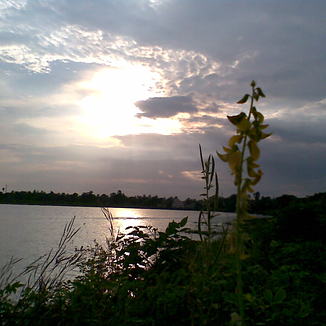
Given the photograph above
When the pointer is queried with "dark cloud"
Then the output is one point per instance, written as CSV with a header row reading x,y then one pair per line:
x,y
293,168
208,120
307,132
165,107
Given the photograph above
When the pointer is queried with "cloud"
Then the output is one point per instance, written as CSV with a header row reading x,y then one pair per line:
x,y
205,52
165,107
304,124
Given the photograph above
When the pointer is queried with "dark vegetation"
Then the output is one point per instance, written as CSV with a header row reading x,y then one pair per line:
x,y
115,199
257,271
257,203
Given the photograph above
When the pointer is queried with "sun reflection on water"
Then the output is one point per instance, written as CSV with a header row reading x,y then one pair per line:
x,y
128,217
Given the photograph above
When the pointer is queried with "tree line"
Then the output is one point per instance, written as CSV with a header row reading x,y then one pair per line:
x,y
257,203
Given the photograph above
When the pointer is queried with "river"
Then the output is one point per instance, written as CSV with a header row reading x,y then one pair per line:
x,y
29,231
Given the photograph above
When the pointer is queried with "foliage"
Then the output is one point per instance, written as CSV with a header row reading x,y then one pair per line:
x,y
115,199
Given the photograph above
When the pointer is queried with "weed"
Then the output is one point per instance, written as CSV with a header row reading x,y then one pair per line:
x,y
249,131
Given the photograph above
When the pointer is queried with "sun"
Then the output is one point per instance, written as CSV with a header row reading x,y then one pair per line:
x,y
109,110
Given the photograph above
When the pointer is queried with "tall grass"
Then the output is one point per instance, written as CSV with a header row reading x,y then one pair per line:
x,y
48,271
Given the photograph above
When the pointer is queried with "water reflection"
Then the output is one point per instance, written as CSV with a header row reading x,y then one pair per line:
x,y
31,231
130,218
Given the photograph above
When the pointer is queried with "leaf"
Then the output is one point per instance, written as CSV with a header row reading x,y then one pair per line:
x,y
171,228
251,172
234,161
183,222
244,99
235,319
249,297
247,186
254,150
244,125
227,149
280,295
264,135
201,157
263,126
213,170
235,139
257,177
260,92
236,119
223,157
268,295
251,163
253,110
259,117
216,187
244,256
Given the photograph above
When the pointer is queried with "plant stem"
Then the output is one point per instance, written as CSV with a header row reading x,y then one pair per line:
x,y
239,219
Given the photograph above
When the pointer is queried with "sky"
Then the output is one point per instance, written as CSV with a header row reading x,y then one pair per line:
x,y
107,95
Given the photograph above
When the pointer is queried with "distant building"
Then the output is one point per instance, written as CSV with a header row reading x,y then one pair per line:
x,y
177,203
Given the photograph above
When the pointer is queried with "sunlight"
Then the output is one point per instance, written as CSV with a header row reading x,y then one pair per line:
x,y
125,217
109,110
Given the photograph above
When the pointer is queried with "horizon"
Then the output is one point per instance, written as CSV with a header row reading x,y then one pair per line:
x,y
156,195
109,95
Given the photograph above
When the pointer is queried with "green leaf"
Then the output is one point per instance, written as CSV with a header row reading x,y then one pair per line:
x,y
249,297
235,319
227,149
216,188
235,139
280,295
254,150
244,99
251,172
244,125
223,157
234,160
183,222
212,170
268,295
201,157
251,163
259,117
236,119
263,126
260,92
258,176
264,135
247,186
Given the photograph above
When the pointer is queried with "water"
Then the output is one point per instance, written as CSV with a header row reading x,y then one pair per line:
x,y
30,231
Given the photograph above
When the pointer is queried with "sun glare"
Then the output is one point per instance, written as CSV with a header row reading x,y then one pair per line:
x,y
110,110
